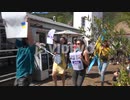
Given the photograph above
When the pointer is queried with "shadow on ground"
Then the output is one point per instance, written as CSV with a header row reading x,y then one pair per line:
x,y
107,82
93,75
96,75
109,72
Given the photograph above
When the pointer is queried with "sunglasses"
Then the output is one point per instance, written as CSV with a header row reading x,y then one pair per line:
x,y
78,43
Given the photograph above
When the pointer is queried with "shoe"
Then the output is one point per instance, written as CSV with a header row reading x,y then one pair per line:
x,y
31,84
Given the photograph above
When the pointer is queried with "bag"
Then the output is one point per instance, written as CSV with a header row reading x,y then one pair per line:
x,y
57,59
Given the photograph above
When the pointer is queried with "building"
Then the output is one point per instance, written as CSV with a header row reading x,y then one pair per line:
x,y
40,27
80,21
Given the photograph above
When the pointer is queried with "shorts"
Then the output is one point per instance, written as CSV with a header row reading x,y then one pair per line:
x,y
59,68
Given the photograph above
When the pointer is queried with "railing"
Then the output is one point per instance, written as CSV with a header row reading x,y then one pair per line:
x,y
8,78
6,57
8,50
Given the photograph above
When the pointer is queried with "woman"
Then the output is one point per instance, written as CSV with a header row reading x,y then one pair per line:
x,y
79,75
24,62
59,64
104,51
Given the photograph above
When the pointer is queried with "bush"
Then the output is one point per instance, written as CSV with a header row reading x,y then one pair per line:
x,y
123,79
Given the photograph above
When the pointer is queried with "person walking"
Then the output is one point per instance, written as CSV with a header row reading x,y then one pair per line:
x,y
104,52
79,75
59,63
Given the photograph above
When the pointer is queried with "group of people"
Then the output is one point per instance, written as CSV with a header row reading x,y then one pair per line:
x,y
61,60
79,75
59,68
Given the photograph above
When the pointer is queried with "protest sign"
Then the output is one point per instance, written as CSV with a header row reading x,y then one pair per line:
x,y
50,36
76,60
15,24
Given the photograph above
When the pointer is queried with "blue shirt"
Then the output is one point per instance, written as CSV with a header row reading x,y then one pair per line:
x,y
24,59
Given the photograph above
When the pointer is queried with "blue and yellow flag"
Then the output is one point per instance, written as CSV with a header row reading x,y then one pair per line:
x,y
96,53
23,25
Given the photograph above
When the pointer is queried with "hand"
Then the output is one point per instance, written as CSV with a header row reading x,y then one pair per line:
x,y
102,47
37,44
81,57
55,53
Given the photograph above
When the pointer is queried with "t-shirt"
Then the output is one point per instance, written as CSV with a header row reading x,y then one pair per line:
x,y
104,52
24,59
85,66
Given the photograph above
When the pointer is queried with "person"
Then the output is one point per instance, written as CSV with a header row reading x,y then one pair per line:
x,y
116,74
25,60
24,63
59,63
79,75
74,44
90,49
68,60
104,51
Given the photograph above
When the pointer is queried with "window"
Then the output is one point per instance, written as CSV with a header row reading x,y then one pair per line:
x,y
83,21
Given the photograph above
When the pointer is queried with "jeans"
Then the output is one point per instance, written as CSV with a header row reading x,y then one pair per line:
x,y
78,77
103,68
96,58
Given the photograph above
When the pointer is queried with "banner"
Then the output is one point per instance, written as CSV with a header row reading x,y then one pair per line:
x,y
76,60
15,24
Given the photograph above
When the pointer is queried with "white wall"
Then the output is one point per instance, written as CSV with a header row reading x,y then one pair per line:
x,y
77,20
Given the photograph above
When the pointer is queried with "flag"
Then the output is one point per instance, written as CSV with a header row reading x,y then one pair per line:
x,y
96,52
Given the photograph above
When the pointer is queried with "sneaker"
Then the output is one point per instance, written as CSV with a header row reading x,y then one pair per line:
x,y
31,84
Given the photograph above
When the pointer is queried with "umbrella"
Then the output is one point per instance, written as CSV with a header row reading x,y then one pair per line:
x,y
67,32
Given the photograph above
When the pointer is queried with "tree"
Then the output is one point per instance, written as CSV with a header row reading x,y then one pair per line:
x,y
117,40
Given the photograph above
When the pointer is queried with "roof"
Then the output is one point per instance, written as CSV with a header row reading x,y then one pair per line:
x,y
47,20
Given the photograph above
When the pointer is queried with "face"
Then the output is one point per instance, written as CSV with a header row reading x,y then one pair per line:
x,y
105,44
62,41
78,43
